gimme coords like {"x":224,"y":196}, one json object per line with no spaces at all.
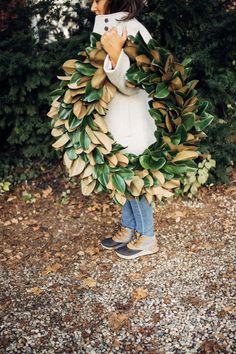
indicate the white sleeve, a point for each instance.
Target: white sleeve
{"x":117,"y":75}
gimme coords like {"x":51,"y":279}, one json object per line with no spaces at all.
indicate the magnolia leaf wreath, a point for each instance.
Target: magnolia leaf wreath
{"x":79,"y":107}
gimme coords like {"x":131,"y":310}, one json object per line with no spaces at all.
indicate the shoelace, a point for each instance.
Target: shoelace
{"x":117,"y":232}
{"x":135,"y":238}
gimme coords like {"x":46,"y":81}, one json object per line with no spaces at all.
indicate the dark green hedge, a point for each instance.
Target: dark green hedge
{"x":203,"y":30}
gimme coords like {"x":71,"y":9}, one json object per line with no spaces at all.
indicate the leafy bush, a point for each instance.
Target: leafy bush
{"x":28,"y":70}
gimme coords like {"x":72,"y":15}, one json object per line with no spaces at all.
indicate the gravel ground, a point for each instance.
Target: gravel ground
{"x":61,"y":293}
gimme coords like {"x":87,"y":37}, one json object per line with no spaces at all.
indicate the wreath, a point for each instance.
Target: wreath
{"x":80,"y":104}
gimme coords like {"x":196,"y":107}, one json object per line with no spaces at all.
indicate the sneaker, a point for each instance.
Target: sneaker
{"x":140,"y":245}
{"x":121,"y":237}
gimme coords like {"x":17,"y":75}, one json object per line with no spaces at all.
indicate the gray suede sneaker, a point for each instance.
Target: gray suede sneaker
{"x":140,"y":245}
{"x":120,"y":237}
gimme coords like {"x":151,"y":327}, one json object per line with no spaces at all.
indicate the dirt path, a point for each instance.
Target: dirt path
{"x":61,"y":293}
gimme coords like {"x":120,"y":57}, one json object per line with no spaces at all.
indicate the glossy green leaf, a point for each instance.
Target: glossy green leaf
{"x":64,"y":113}
{"x":85,"y":69}
{"x":84,"y":140}
{"x":182,"y":132}
{"x":119,"y":183}
{"x":175,"y":139}
{"x":56,"y":94}
{"x":74,"y":122}
{"x":71,"y":154}
{"x":188,"y":120}
{"x":94,"y":38}
{"x":202,"y":124}
{"x":98,"y":156}
{"x":148,"y":163}
{"x":92,"y":94}
{"x":157,"y":116}
{"x":103,"y":172}
{"x":75,"y":137}
{"x":161,"y":90}
{"x":202,"y":107}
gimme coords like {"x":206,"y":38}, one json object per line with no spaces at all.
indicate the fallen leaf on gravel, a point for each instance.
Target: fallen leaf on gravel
{"x":35,"y":291}
{"x":91,"y":251}
{"x":47,"y":192}
{"x":229,"y":308}
{"x":7,"y":251}
{"x":30,"y":222}
{"x":10,"y":199}
{"x":52,"y":268}
{"x":5,"y":304}
{"x":135,"y":276}
{"x":140,"y":293}
{"x":211,"y":347}
{"x":156,"y":317}
{"x":176,"y":214}
{"x":194,"y":300}
{"x":118,"y":320}
{"x":89,"y":282}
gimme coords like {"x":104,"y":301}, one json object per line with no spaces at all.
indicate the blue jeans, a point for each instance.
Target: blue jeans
{"x":137,"y":214}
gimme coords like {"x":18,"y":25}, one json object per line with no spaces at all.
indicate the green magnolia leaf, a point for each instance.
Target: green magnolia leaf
{"x":182,"y":132}
{"x":75,"y":137}
{"x":103,"y":173}
{"x":74,"y":122}
{"x":202,"y":124}
{"x":94,"y":38}
{"x":92,"y":94}
{"x":202,"y":107}
{"x":56,"y":94}
{"x":85,"y":69}
{"x":175,"y":139}
{"x":75,"y":78}
{"x":188,"y":120}
{"x":146,"y":182}
{"x":84,"y":140}
{"x":126,"y":174}
{"x":152,"y":44}
{"x":161,"y":90}
{"x":186,"y":61}
{"x":175,"y":169}
{"x":164,"y":53}
{"x":142,"y":46}
{"x":71,"y":154}
{"x":64,"y":113}
{"x":98,"y":156}
{"x":132,"y":74}
{"x":157,"y":116}
{"x":148,"y":163}
{"x":119,"y":183}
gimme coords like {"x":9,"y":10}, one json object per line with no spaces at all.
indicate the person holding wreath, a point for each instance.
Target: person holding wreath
{"x":128,"y":120}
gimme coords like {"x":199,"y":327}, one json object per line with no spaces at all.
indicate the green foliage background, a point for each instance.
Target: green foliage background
{"x":201,"y":30}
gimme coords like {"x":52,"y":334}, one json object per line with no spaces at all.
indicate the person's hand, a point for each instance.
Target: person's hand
{"x":112,"y":43}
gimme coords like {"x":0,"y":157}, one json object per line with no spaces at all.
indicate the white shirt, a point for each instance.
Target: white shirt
{"x":127,"y":118}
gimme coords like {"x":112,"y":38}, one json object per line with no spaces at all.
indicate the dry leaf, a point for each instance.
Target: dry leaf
{"x":89,"y":282}
{"x":140,"y":293}
{"x":118,"y":320}
{"x":47,"y":191}
{"x":51,"y":268}
{"x":36,"y":291}
{"x":91,"y":251}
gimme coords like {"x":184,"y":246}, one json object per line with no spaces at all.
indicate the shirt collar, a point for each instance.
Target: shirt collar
{"x":105,"y":22}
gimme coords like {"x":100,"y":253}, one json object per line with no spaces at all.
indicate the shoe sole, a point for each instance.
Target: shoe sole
{"x":140,"y":254}
{"x":113,"y":248}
